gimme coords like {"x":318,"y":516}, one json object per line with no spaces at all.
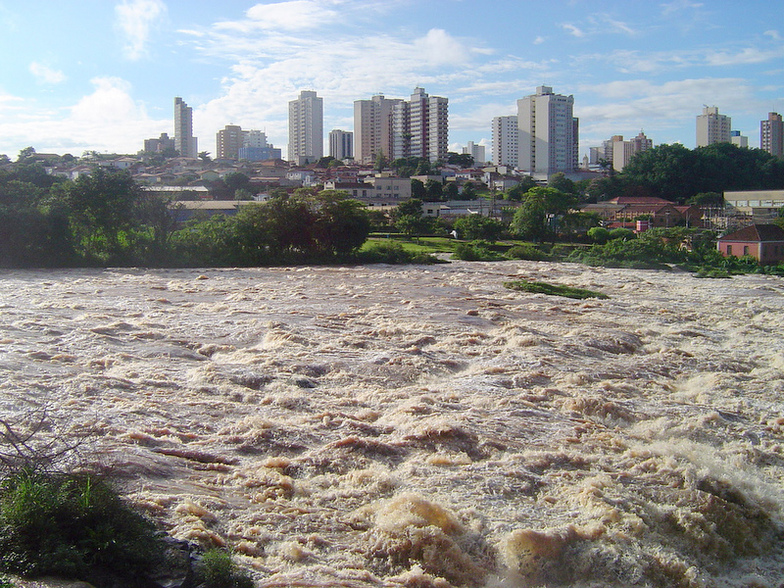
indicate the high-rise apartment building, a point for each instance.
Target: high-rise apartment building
{"x":772,"y":135}
{"x":549,"y":133}
{"x":341,"y":144}
{"x":228,"y":142}
{"x":506,"y":137}
{"x":623,"y":151}
{"x":420,"y":127}
{"x":737,"y":139}
{"x":184,"y":141}
{"x":162,"y":144}
{"x":713,"y":127}
{"x":477,"y":152}
{"x":306,"y":128}
{"x":373,"y":128}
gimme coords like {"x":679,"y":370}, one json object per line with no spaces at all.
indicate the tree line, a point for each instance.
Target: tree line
{"x":106,"y":219}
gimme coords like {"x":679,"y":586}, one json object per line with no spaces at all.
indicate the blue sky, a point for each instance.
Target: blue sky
{"x":103,"y":74}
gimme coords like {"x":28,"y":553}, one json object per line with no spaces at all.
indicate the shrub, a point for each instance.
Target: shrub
{"x":393,"y":253}
{"x":71,"y":525}
{"x":553,"y":290}
{"x":475,"y":251}
{"x":528,"y":252}
{"x":217,"y":570}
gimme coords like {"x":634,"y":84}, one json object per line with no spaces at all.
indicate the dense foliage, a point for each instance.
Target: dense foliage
{"x":676,"y":173}
{"x":73,"y":526}
{"x":106,"y":219}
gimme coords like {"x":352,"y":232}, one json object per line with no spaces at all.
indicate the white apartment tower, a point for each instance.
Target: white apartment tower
{"x":506,"y":138}
{"x":475,"y":151}
{"x":772,"y":135}
{"x":184,"y":141}
{"x":373,"y":128}
{"x":341,"y":144}
{"x":623,"y":151}
{"x":548,"y":134}
{"x":306,"y":128}
{"x":713,"y":127}
{"x":420,"y":127}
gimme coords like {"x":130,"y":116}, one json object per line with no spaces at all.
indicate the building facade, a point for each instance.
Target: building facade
{"x":549,"y":135}
{"x":306,"y":128}
{"x":420,"y":127}
{"x":373,"y":128}
{"x":623,"y":151}
{"x":228,"y":142}
{"x":341,"y":144}
{"x":772,"y":135}
{"x":475,"y":151}
{"x":184,"y":141}
{"x":506,"y":139}
{"x":162,"y":144}
{"x":713,"y":127}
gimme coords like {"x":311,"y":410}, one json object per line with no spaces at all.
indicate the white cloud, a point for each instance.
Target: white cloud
{"x":679,"y":5}
{"x":773,"y":34}
{"x":46,"y":75}
{"x":538,"y":40}
{"x":573,"y":30}
{"x":295,"y":15}
{"x":135,"y":19}
{"x":107,"y":119}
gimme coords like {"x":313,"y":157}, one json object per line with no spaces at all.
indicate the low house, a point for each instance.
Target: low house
{"x":765,"y":243}
{"x":662,"y":213}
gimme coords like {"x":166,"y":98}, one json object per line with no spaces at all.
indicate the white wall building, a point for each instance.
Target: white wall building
{"x":713,"y":127}
{"x":623,"y":151}
{"x":548,"y":134}
{"x":475,"y":151}
{"x":420,"y":127}
{"x":373,"y":128}
{"x":341,"y":144}
{"x":506,"y":138}
{"x":306,"y":128}
{"x":184,"y":141}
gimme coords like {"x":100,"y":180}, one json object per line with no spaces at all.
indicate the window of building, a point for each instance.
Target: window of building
{"x":729,"y":249}
{"x":745,"y":250}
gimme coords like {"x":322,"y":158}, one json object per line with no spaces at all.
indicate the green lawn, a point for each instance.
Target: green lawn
{"x":415,"y":245}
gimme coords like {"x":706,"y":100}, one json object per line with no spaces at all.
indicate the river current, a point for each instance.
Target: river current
{"x":422,"y":426}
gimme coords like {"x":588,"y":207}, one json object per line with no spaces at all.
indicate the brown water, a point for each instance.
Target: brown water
{"x":424,"y":426}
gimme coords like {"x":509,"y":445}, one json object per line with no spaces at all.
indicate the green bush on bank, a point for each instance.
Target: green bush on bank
{"x":217,"y":570}
{"x":71,"y":525}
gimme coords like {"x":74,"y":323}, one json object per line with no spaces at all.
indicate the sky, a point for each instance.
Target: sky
{"x":102,"y":74}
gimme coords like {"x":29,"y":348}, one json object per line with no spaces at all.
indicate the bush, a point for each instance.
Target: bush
{"x":217,"y":570}
{"x":393,"y":253}
{"x":72,"y":525}
{"x":476,"y":251}
{"x":553,"y":290}
{"x":528,"y":252}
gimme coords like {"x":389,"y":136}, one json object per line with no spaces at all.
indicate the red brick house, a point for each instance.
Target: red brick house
{"x":623,"y":210}
{"x":765,"y":243}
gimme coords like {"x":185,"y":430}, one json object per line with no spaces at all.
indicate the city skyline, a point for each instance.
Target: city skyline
{"x":101,"y":75}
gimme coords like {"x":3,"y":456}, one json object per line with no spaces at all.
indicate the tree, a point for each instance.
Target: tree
{"x":381,"y":161}
{"x":342,"y":224}
{"x":476,"y":226}
{"x":560,"y":182}
{"x":25,"y":153}
{"x":539,"y":210}
{"x":712,"y":199}
{"x":462,"y":159}
{"x":418,"y":189}
{"x":410,"y":207}
{"x":434,"y":190}
{"x":452,"y":191}
{"x":204,"y":156}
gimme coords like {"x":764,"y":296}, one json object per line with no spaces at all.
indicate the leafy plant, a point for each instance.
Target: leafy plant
{"x":475,"y":251}
{"x":73,"y":525}
{"x":217,"y":570}
{"x":528,"y":252}
{"x":553,"y":290}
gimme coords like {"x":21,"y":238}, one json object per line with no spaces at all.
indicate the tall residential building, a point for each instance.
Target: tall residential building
{"x":341,"y":144}
{"x":228,"y":142}
{"x":772,"y":135}
{"x":713,"y":127}
{"x":306,"y":128}
{"x":549,"y":133}
{"x":420,"y":127}
{"x":475,"y":151}
{"x":373,"y":128}
{"x":184,"y":141}
{"x":623,"y":151}
{"x":505,"y":137}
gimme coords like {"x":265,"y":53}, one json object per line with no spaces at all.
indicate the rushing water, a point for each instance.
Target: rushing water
{"x":423,"y":426}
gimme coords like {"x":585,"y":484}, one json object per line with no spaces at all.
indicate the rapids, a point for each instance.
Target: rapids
{"x":388,"y":426}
